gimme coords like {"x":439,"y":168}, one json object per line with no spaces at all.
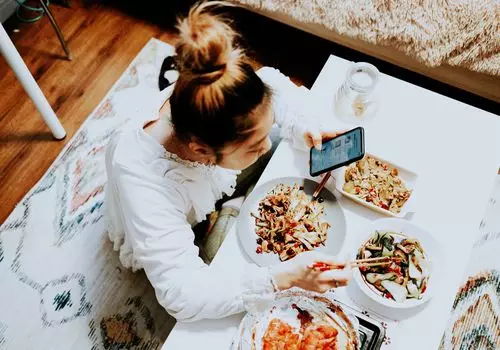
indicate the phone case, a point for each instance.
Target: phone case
{"x":344,"y":163}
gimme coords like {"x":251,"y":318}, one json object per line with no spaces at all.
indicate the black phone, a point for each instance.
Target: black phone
{"x":338,"y":152}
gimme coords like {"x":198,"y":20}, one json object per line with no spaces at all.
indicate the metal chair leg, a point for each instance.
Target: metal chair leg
{"x":57,"y":29}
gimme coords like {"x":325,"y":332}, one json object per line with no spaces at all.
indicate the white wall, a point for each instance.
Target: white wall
{"x":7,"y":8}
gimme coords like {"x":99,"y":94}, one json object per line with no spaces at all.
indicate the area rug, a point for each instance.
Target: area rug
{"x":464,"y":33}
{"x":61,"y":283}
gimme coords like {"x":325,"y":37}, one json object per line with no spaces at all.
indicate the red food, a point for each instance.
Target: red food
{"x":280,"y":336}
{"x":320,"y":337}
{"x":395,"y":268}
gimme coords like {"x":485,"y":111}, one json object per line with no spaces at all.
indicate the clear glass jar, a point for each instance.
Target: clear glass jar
{"x":356,"y":100}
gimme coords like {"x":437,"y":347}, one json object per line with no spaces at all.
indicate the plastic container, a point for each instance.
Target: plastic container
{"x":356,"y":100}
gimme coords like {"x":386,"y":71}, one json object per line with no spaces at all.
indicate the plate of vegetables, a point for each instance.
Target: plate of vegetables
{"x":413,"y":263}
{"x":280,"y":219}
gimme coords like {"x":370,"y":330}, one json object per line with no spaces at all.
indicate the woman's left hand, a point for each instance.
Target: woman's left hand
{"x":316,"y":138}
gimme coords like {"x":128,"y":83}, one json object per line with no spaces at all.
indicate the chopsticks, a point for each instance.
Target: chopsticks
{"x":374,"y":261}
{"x":323,"y":266}
{"x":321,"y":184}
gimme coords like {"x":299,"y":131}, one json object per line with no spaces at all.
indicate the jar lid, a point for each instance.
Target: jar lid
{"x":363,"y":77}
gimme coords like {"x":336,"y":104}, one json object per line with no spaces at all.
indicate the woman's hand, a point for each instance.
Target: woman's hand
{"x":297,"y":272}
{"x":316,"y":138}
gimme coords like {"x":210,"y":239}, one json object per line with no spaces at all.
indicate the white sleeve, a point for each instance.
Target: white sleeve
{"x":163,"y":243}
{"x":289,"y":107}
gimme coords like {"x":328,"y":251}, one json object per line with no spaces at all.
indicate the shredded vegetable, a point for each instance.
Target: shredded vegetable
{"x":289,"y":222}
{"x":376,"y":182}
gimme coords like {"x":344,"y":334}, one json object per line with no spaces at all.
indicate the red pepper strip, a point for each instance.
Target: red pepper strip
{"x":319,"y":264}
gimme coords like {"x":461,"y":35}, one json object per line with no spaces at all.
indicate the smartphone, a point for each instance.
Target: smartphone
{"x":338,"y":152}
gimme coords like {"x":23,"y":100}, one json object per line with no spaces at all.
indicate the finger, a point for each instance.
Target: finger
{"x":341,"y":275}
{"x":326,"y":286}
{"x":317,"y":140}
{"x":328,"y":135}
{"x":308,"y":139}
{"x":318,"y":257}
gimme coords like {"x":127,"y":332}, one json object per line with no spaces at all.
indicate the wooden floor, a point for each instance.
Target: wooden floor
{"x":104,"y":38}
{"x":103,"y":42}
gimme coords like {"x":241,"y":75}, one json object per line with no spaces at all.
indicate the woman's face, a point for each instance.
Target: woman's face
{"x":239,"y":156}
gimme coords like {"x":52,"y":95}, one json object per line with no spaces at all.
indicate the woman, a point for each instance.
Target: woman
{"x":165,"y":176}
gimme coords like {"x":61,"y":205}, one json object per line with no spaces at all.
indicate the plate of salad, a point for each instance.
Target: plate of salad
{"x":414,"y":263}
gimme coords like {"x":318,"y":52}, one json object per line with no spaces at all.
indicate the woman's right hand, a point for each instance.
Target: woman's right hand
{"x":297,"y":272}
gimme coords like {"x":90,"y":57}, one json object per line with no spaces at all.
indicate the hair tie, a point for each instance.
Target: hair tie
{"x":208,"y":70}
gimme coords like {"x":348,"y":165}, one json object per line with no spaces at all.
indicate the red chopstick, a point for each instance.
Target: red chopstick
{"x":321,"y":184}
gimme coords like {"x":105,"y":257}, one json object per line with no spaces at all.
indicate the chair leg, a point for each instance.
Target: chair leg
{"x":14,"y":60}
{"x":57,"y":29}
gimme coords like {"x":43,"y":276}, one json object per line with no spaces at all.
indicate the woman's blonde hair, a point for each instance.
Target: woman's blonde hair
{"x":217,"y":89}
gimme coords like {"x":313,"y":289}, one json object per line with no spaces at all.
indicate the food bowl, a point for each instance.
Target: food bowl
{"x":408,"y":177}
{"x":433,"y":257}
{"x":300,"y":310}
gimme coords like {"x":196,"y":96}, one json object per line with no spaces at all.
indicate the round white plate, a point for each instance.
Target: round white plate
{"x":432,"y":250}
{"x":334,"y":215}
{"x":255,"y":323}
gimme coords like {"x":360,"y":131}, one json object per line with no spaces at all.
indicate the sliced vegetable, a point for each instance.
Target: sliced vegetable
{"x":399,"y":293}
{"x":413,"y":290}
{"x":375,"y":277}
{"x":414,"y":272}
{"x":386,"y":252}
{"x":410,"y":272}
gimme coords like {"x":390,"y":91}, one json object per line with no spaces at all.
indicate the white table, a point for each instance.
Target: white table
{"x":455,"y":150}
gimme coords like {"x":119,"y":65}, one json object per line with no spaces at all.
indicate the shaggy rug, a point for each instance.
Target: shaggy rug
{"x":463,"y":33}
{"x":61,"y":283}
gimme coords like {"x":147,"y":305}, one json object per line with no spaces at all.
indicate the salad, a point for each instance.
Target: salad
{"x":378,"y":183}
{"x":404,"y":277}
{"x":288,"y":222}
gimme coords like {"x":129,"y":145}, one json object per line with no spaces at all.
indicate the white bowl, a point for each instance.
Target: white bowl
{"x":409,"y":178}
{"x":431,"y":248}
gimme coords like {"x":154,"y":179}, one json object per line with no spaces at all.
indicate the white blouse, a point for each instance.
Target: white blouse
{"x":153,"y":198}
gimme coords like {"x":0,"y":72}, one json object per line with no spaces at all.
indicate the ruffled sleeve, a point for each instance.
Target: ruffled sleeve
{"x":289,"y":107}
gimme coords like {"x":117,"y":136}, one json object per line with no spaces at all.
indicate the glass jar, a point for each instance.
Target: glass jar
{"x":356,"y":100}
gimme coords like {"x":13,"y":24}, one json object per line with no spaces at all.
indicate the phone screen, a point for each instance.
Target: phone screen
{"x":338,"y":152}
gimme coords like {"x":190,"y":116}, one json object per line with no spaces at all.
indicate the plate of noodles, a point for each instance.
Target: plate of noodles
{"x":280,"y":219}
{"x":298,"y":320}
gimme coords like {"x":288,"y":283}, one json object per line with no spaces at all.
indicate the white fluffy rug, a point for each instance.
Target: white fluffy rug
{"x":463,"y":33}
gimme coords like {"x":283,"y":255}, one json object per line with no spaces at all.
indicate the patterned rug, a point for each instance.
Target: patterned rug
{"x":61,"y":284}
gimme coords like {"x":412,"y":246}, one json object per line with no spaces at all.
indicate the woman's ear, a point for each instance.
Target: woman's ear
{"x":202,"y":151}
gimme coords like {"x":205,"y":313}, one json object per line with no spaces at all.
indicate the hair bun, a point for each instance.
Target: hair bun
{"x":205,"y":47}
